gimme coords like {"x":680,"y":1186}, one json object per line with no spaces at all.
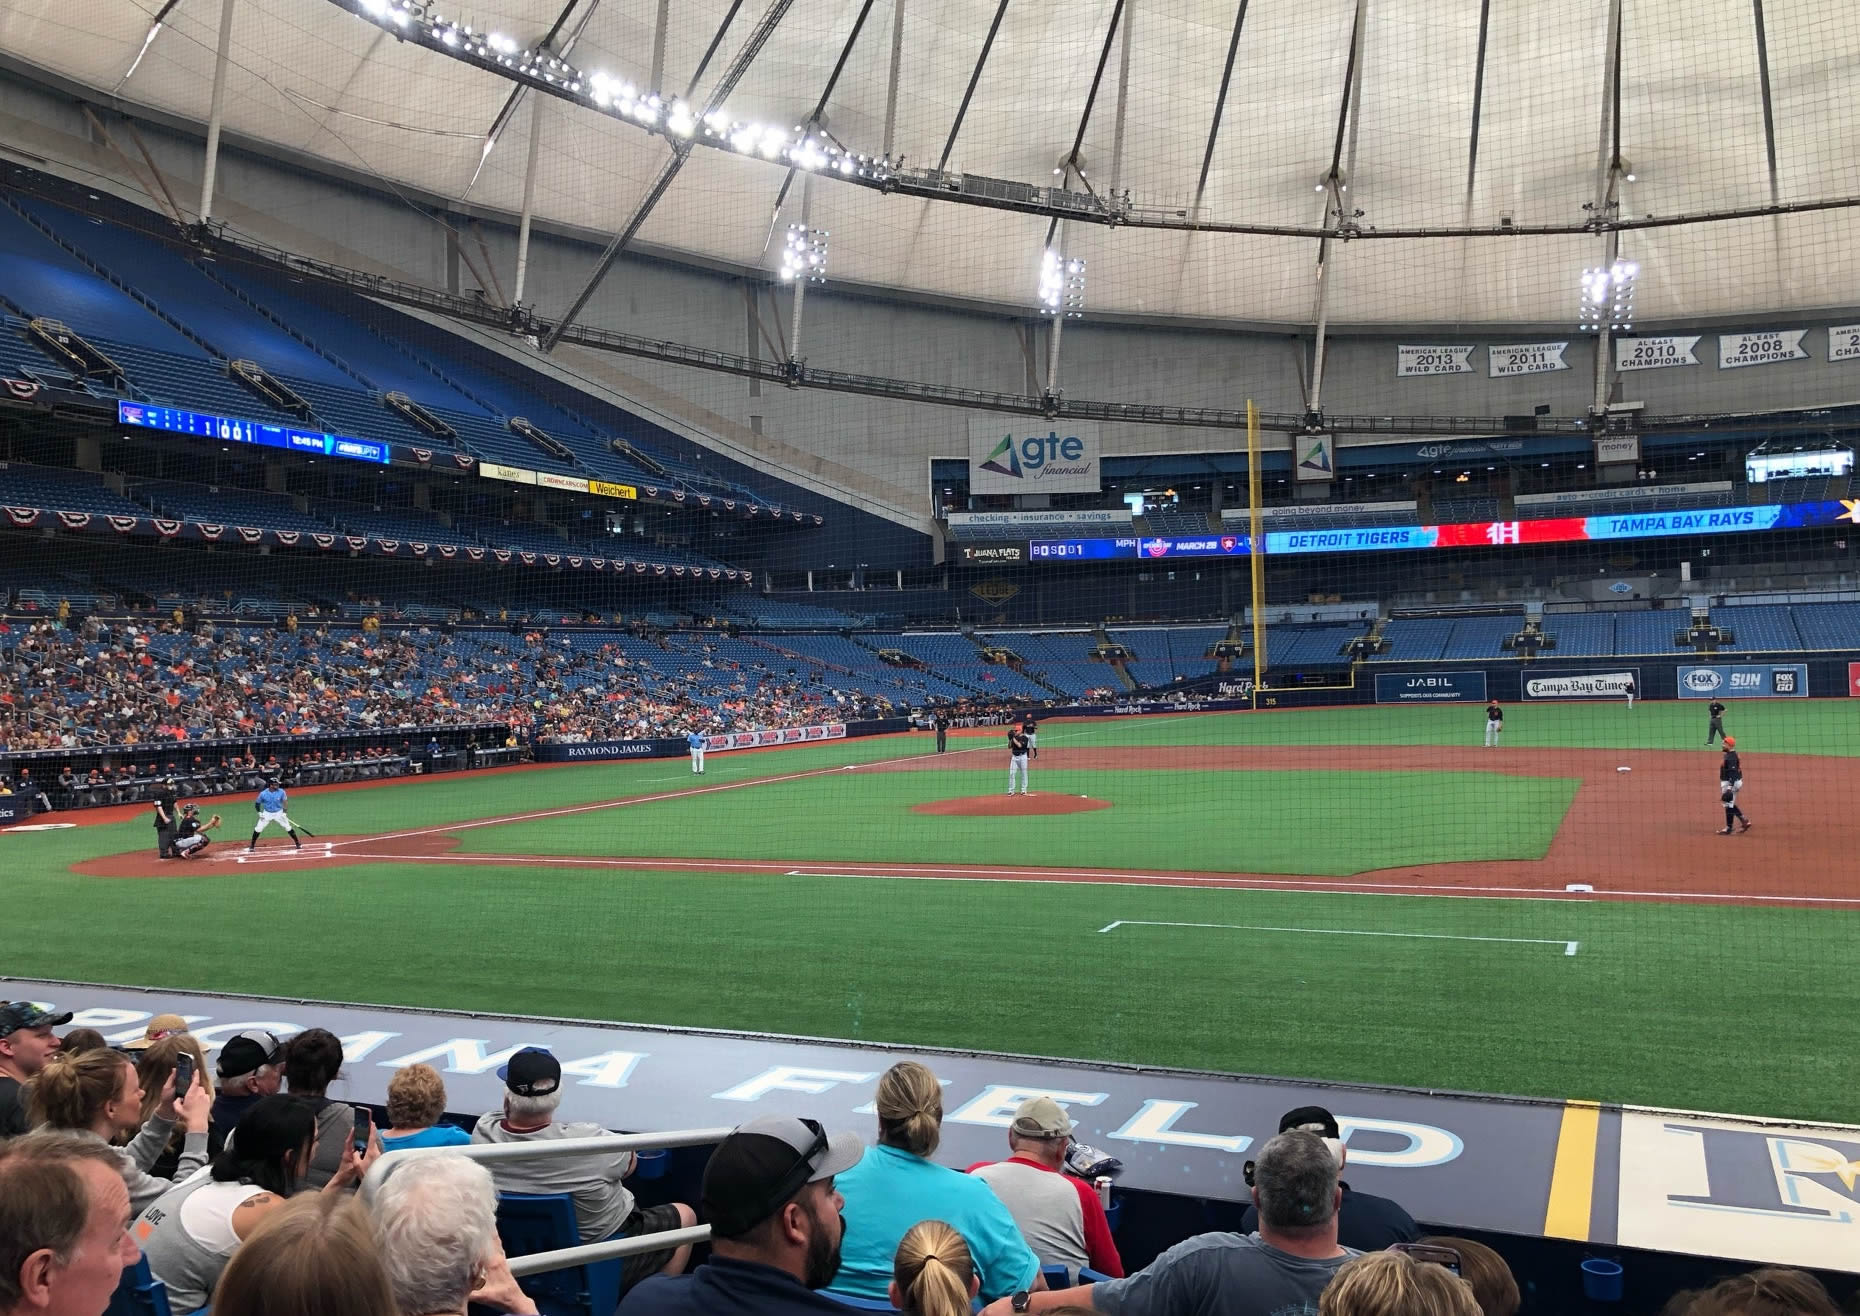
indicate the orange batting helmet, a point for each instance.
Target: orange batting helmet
{"x":1730,"y":742}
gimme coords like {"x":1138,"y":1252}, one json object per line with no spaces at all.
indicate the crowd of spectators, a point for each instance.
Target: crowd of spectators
{"x":801,"y":1219}
{"x":127,"y":685}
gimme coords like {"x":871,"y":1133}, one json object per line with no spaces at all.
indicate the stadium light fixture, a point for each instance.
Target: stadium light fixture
{"x":1608,"y":296}
{"x":1062,"y":285}
{"x":804,"y":255}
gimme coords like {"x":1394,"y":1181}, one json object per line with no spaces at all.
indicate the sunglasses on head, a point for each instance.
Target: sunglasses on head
{"x":1432,"y":1253}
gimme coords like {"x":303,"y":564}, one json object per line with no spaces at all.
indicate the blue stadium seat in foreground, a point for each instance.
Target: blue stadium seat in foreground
{"x":532,"y":1222}
{"x":139,"y":1293}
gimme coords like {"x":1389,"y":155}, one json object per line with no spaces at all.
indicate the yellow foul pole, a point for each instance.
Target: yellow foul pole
{"x":1257,"y":547}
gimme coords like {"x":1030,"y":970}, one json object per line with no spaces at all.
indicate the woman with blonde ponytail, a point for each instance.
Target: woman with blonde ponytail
{"x":896,"y":1186}
{"x":933,"y":1274}
{"x":98,"y":1093}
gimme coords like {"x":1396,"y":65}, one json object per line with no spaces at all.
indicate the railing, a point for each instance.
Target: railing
{"x":492,"y":1153}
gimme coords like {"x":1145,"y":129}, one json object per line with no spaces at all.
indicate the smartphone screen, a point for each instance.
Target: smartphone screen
{"x":183,"y":1074}
{"x":364,"y":1121}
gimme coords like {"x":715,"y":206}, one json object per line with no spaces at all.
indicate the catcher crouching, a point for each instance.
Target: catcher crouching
{"x":190,"y":834}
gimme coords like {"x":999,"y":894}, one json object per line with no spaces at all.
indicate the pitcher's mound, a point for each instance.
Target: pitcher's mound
{"x":1010,"y":806}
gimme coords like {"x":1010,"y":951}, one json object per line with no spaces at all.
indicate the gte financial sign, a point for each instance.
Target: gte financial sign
{"x":1053,"y":461}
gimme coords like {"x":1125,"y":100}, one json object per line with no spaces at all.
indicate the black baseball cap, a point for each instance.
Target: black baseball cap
{"x":1315,"y":1119}
{"x":247,"y":1051}
{"x":761,"y":1166}
{"x":531,"y":1072}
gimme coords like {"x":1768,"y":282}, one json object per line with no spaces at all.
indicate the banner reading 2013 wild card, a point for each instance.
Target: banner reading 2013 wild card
{"x":1013,"y":457}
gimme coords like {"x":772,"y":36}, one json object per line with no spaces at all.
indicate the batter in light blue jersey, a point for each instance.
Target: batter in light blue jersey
{"x":270,"y":807}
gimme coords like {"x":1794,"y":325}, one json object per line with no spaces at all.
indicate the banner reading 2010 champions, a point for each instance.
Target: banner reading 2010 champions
{"x":1015,"y":457}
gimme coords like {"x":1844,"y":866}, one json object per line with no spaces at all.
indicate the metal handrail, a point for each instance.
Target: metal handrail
{"x":560,"y":1149}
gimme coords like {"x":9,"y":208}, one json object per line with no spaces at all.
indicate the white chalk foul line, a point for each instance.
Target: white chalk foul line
{"x":630,"y":800}
{"x":1569,"y":947}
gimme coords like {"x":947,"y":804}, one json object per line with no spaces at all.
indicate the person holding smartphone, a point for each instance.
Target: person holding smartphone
{"x":98,"y":1093}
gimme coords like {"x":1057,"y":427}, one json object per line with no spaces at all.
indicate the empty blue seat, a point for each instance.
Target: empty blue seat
{"x":529,"y":1223}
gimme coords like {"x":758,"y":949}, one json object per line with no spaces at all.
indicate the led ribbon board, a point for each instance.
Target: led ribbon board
{"x":175,"y":420}
{"x":1473,"y":534}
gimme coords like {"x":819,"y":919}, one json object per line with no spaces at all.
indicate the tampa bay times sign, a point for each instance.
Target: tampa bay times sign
{"x":1008,"y":458}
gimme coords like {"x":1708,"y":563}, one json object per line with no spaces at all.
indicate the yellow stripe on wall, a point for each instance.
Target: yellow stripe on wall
{"x":1572,"y":1178}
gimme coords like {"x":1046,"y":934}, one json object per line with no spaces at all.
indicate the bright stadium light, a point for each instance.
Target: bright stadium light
{"x":1062,"y":285}
{"x":804,"y":255}
{"x":1608,"y":296}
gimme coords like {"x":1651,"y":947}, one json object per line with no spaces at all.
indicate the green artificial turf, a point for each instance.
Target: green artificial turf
{"x":1321,"y":823}
{"x":1694,"y":1006}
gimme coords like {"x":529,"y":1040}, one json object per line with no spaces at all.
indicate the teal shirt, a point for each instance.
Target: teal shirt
{"x":890,"y":1190}
{"x":439,"y":1135}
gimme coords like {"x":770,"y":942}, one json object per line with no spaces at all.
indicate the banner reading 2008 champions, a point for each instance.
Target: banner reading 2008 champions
{"x":1013,"y":457}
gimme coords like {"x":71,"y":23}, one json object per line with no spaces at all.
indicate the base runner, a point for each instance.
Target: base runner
{"x":1494,"y":723}
{"x":270,"y":805}
{"x":1730,"y":782}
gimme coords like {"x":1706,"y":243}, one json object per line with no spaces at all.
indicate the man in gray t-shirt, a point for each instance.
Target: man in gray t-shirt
{"x":592,"y":1182}
{"x":1280,"y":1271}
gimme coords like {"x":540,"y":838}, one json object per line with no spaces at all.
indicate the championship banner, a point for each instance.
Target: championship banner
{"x":1005,"y":459}
{"x":1655,"y":353}
{"x":1844,"y":342}
{"x":1414,"y":360}
{"x":1503,"y":359}
{"x":1760,"y":349}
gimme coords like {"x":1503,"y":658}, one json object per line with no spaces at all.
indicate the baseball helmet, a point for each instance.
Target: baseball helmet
{"x":271,"y":781}
{"x":1730,"y":742}
{"x":190,"y":808}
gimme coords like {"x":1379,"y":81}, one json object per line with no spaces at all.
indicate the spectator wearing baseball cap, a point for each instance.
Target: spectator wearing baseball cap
{"x":26,"y":1043}
{"x":1364,"y":1221}
{"x":896,"y":1185}
{"x":251,"y":1068}
{"x":1060,"y":1216}
{"x":775,"y":1226}
{"x":603,"y":1207}
{"x":1282,"y":1268}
